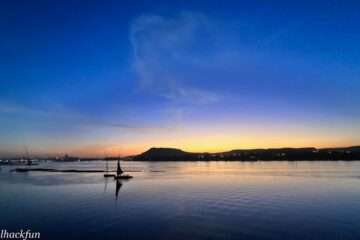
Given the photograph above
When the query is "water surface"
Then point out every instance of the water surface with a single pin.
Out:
(187, 200)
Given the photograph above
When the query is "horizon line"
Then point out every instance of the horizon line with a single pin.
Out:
(96, 156)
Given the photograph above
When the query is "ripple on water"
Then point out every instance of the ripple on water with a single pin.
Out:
(189, 201)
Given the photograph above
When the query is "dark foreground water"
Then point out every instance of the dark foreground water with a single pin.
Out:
(187, 200)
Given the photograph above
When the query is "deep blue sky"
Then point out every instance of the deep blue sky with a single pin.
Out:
(88, 77)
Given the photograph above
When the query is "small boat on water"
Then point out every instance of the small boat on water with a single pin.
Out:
(109, 175)
(124, 177)
(119, 173)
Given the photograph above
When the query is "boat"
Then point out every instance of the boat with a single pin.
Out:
(109, 175)
(119, 173)
(28, 161)
(124, 177)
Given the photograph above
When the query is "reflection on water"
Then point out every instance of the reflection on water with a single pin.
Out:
(187, 200)
(118, 186)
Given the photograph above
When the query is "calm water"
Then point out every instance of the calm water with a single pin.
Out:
(187, 200)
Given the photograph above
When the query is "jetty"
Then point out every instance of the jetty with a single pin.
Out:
(56, 170)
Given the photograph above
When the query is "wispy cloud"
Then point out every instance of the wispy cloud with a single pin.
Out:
(165, 48)
(60, 115)
(15, 108)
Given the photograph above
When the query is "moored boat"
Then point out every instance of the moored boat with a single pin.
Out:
(124, 177)
(119, 173)
(109, 175)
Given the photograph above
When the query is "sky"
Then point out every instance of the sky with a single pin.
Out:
(94, 78)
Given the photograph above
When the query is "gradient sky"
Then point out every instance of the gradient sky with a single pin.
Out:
(118, 77)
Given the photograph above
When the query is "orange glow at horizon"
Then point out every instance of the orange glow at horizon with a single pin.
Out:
(217, 143)
(201, 138)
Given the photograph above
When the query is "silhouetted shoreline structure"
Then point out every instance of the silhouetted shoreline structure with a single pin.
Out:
(27, 158)
(63, 170)
(272, 154)
(173, 154)
(56, 170)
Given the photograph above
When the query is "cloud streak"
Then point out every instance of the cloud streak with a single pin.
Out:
(64, 116)
(164, 49)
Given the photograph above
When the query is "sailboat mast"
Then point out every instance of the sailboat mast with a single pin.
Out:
(119, 170)
(28, 160)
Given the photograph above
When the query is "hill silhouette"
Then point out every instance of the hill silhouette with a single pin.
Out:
(163, 154)
(271, 154)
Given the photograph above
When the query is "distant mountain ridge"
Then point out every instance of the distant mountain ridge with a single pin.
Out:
(161, 154)
(270, 154)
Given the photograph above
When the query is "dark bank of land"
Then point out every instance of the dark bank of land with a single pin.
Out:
(56, 170)
(273, 154)
(173, 154)
(65, 170)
